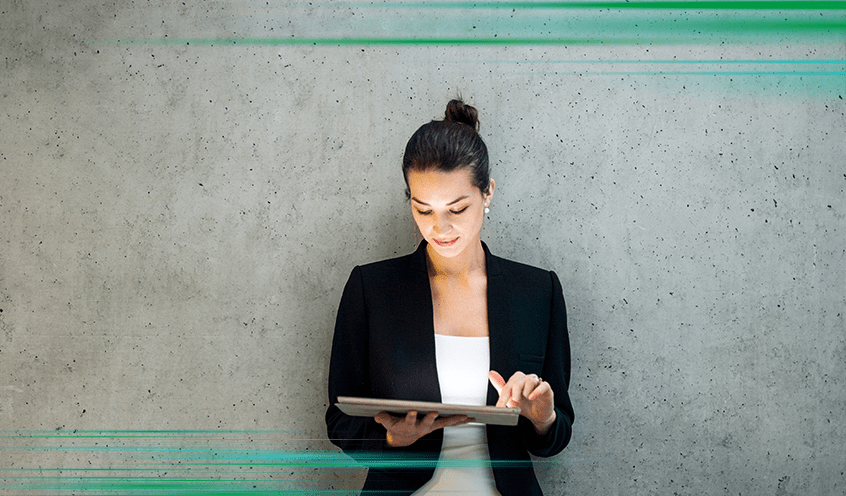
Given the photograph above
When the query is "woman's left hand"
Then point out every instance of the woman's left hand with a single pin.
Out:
(533, 396)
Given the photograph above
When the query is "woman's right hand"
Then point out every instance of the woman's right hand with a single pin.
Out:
(403, 431)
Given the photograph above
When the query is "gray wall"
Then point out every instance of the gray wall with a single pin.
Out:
(179, 213)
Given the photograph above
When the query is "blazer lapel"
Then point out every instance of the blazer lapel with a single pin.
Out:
(420, 341)
(502, 341)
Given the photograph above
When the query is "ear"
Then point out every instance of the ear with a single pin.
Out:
(490, 191)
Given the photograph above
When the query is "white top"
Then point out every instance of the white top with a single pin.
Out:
(464, 465)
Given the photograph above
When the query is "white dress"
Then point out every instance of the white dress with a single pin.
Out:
(464, 464)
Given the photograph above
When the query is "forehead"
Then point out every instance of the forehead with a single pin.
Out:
(438, 186)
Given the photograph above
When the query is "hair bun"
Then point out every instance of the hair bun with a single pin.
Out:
(458, 111)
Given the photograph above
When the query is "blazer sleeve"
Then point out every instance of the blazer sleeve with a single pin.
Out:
(556, 371)
(349, 375)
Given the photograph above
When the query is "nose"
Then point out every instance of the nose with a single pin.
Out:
(442, 224)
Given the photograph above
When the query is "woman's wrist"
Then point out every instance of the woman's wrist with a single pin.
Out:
(543, 427)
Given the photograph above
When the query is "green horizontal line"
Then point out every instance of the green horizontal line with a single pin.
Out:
(405, 41)
(145, 439)
(364, 41)
(711, 32)
(694, 5)
(200, 467)
(128, 479)
(769, 61)
(131, 431)
(90, 469)
(173, 437)
(687, 73)
(93, 478)
(212, 471)
(163, 448)
(156, 489)
(47, 489)
(241, 492)
(216, 469)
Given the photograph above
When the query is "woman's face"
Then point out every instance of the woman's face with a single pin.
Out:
(448, 209)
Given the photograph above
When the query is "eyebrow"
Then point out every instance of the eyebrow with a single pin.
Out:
(448, 204)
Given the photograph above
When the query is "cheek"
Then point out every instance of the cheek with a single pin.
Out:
(480, 217)
(469, 224)
(421, 222)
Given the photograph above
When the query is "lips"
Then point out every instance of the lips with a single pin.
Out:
(448, 242)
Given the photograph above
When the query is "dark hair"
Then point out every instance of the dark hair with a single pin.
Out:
(448, 145)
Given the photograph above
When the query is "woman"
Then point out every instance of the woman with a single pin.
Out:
(447, 324)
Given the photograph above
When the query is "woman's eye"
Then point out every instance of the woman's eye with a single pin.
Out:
(424, 212)
(459, 211)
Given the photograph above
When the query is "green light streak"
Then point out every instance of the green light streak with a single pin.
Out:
(542, 24)
(529, 5)
(651, 62)
(127, 431)
(496, 41)
(133, 463)
(686, 73)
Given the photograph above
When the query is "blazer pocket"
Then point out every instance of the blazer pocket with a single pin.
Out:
(526, 357)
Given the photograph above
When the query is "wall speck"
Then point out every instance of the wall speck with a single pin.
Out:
(781, 490)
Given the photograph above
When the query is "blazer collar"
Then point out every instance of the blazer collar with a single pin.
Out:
(418, 260)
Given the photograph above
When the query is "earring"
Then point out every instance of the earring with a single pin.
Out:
(487, 210)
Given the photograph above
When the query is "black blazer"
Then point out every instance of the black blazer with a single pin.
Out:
(384, 347)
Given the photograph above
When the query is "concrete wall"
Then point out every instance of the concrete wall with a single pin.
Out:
(179, 212)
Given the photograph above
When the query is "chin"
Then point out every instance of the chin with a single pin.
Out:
(447, 251)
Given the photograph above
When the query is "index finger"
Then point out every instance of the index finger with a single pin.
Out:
(496, 380)
(500, 385)
(410, 417)
(382, 417)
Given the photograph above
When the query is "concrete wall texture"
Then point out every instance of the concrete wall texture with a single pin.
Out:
(185, 187)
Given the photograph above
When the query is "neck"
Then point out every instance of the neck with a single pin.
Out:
(469, 261)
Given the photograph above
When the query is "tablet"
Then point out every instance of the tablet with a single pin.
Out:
(369, 407)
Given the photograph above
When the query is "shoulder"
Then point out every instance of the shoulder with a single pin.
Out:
(518, 268)
(388, 263)
(523, 278)
(385, 274)
(387, 266)
(520, 274)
